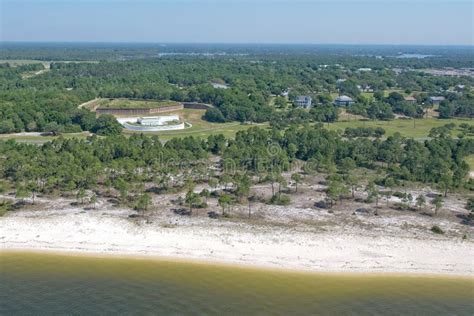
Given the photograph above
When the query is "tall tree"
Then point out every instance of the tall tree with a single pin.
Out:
(192, 199)
(437, 202)
(296, 177)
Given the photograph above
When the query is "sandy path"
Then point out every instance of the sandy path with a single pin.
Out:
(237, 243)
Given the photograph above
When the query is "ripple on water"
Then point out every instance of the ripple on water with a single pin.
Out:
(55, 284)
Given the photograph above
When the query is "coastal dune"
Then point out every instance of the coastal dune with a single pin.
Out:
(218, 241)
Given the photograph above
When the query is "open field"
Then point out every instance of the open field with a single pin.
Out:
(200, 127)
(129, 104)
(21, 62)
(404, 127)
(37, 138)
(46, 63)
(29, 74)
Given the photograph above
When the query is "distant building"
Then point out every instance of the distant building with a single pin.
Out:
(343, 100)
(303, 101)
(410, 99)
(460, 87)
(365, 69)
(285, 93)
(218, 85)
(365, 88)
(437, 100)
(157, 120)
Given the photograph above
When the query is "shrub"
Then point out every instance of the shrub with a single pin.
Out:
(5, 206)
(437, 230)
(282, 200)
(470, 204)
(400, 195)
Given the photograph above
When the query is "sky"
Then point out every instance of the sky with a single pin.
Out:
(421, 22)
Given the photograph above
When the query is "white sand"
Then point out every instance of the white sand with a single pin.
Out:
(275, 246)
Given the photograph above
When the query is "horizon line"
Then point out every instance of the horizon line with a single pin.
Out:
(232, 43)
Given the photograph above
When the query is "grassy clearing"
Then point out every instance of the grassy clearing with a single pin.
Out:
(131, 104)
(404, 127)
(38, 139)
(46, 63)
(21, 62)
(200, 127)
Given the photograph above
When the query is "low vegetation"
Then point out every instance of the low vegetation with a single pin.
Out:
(131, 104)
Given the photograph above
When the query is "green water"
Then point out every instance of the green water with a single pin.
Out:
(32, 284)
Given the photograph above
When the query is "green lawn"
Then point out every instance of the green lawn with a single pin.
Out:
(33, 139)
(200, 127)
(131, 104)
(404, 127)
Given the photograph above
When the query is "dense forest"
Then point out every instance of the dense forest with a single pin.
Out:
(48, 102)
(127, 164)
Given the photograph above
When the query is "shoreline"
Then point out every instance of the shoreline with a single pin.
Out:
(224, 264)
(265, 246)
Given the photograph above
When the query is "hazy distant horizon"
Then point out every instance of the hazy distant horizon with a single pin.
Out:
(164, 44)
(272, 22)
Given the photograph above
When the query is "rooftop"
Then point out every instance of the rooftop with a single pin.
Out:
(344, 98)
(302, 98)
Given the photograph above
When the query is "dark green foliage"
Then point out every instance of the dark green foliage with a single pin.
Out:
(67, 165)
(437, 230)
(364, 132)
(470, 205)
(280, 200)
(106, 125)
(380, 111)
(214, 115)
(459, 107)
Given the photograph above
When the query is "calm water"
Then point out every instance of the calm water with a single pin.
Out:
(32, 284)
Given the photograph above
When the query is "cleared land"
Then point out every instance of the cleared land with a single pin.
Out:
(129, 104)
(21, 62)
(200, 127)
(403, 126)
(46, 63)
(37, 138)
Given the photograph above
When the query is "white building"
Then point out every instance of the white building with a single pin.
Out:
(157, 120)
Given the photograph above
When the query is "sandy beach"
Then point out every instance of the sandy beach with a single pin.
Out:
(302, 239)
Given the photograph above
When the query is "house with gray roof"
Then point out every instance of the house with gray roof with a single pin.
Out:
(343, 100)
(437, 100)
(303, 101)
